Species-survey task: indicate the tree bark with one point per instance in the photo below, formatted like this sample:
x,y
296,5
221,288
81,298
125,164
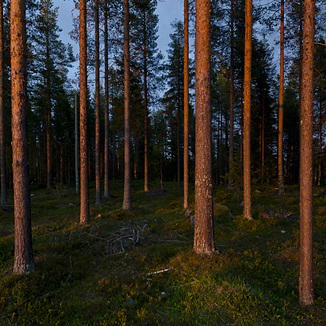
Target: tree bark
x,y
136,157
204,230
106,104
127,161
76,145
97,107
186,107
306,157
84,191
247,213
178,134
281,108
2,118
231,142
263,140
48,115
146,184
320,140
24,259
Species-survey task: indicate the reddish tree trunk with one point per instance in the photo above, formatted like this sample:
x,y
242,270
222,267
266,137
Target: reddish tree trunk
x,y
204,231
127,171
247,214
186,108
2,119
24,260
84,191
106,106
97,108
320,139
281,107
306,162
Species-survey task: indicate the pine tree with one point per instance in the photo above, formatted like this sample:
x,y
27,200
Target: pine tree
x,y
186,107
127,171
247,108
106,104
24,259
97,106
231,141
306,164
204,231
48,81
281,108
144,35
84,191
2,114
173,98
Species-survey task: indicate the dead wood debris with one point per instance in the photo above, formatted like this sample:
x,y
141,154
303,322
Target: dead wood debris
x,y
126,238
277,214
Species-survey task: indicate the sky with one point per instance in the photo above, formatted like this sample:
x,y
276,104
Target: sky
x,y
167,10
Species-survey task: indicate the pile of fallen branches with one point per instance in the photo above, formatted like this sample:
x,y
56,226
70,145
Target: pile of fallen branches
x,y
126,238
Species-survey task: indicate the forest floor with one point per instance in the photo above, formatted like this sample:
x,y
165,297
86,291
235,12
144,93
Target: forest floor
x,y
138,267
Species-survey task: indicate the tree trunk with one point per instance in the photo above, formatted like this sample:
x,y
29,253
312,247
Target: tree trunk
x,y
136,158
2,116
204,230
146,184
60,179
84,191
97,108
320,136
178,137
247,214
76,145
281,108
114,158
186,108
263,141
106,105
48,117
231,142
306,162
127,171
24,259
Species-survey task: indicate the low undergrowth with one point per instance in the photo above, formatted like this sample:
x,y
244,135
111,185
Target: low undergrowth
x,y
138,267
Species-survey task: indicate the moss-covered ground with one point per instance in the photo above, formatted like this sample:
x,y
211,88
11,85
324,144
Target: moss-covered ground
x,y
138,267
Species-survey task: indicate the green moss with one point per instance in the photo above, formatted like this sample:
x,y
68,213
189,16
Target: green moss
x,y
251,280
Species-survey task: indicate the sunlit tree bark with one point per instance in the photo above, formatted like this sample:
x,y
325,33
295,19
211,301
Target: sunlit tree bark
x,y
84,191
127,161
186,107
247,213
204,231
281,106
306,155
97,107
24,260
2,120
